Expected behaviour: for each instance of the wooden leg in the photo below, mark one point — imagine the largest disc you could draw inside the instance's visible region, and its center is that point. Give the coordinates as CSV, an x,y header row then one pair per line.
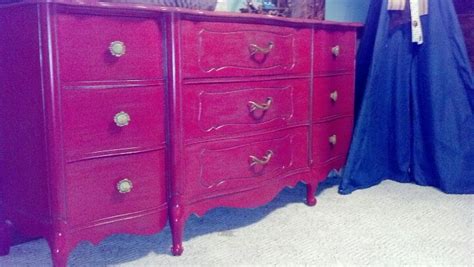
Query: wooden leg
x,y
177,229
310,192
59,259
5,237
59,251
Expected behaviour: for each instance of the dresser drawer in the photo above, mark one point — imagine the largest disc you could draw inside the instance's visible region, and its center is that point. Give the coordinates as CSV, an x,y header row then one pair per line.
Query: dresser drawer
x,y
233,49
333,96
103,189
100,122
95,48
213,110
331,139
334,51
236,164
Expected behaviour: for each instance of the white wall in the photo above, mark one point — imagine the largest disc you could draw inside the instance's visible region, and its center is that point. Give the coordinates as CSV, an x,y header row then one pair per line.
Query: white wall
x,y
230,5
338,10
347,10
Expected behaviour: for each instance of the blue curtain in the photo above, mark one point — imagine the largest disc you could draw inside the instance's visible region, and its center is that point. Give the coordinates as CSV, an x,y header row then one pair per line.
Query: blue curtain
x,y
414,103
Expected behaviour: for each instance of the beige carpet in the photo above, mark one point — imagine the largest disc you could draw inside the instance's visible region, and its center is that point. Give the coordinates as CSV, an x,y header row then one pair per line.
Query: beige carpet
x,y
389,224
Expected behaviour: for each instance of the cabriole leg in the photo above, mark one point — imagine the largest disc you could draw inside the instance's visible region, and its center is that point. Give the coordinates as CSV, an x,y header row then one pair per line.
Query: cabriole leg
x,y
59,250
177,229
310,194
59,259
5,237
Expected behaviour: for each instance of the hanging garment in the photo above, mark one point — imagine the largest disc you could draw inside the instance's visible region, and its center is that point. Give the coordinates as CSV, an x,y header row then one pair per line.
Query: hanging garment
x,y
414,103
402,4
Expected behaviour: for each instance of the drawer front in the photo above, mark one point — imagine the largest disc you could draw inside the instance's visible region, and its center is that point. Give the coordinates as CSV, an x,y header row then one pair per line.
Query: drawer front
x,y
221,109
331,139
93,193
98,122
231,49
334,51
237,164
333,96
95,48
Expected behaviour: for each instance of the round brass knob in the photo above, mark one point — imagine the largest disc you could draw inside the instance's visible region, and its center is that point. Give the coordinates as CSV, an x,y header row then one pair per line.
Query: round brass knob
x,y
117,48
334,96
122,119
336,51
333,139
124,186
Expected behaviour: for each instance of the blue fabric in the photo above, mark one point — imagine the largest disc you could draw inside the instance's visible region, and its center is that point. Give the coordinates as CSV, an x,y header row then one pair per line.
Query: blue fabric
x,y
414,104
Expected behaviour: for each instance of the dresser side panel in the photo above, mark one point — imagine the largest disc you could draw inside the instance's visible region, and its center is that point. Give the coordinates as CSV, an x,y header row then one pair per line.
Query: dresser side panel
x,y
23,149
332,99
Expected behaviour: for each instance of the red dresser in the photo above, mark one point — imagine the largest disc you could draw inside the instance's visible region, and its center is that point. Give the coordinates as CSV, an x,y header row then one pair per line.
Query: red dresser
x,y
118,117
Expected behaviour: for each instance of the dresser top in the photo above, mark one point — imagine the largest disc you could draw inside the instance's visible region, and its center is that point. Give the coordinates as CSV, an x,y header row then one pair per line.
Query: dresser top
x,y
189,12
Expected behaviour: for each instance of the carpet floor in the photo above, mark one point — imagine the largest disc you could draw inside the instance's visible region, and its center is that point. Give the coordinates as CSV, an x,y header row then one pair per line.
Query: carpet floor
x,y
390,224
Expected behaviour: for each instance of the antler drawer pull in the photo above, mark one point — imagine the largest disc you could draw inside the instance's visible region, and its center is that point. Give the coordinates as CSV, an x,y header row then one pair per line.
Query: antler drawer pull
x,y
122,119
265,106
336,50
333,139
124,186
263,161
334,96
117,48
254,49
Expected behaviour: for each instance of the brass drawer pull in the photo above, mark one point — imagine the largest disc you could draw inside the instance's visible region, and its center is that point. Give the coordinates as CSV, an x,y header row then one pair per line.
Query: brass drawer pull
x,y
263,161
265,106
124,186
117,48
122,119
334,96
336,50
254,49
333,139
